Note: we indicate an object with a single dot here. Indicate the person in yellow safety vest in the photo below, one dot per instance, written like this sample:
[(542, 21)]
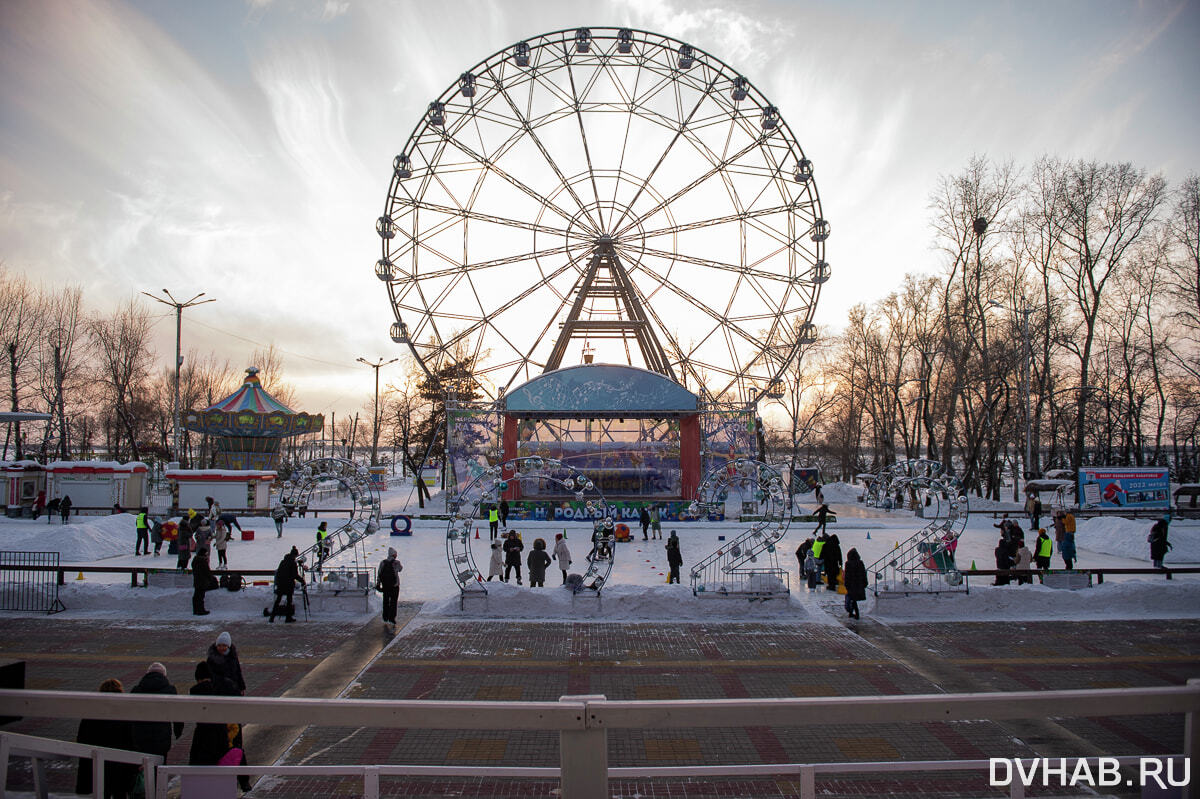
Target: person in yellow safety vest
[(1043, 549), (493, 521), (322, 547), (142, 523), (817, 546)]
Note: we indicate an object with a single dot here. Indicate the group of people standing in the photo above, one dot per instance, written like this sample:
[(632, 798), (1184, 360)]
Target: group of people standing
[(213, 743), (506, 557)]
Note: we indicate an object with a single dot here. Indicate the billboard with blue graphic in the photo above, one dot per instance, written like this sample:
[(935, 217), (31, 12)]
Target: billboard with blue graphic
[(1115, 487)]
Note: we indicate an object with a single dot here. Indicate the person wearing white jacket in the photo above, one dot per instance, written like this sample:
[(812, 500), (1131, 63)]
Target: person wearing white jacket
[(562, 554), (496, 566)]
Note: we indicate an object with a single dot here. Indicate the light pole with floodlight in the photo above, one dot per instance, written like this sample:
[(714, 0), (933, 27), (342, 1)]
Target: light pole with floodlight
[(375, 433), (178, 306)]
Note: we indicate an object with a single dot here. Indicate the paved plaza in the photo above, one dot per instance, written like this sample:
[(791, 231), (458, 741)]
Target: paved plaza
[(527, 661)]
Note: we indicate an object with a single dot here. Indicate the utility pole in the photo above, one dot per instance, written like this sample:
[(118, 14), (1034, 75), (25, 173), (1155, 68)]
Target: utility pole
[(176, 443), (375, 429)]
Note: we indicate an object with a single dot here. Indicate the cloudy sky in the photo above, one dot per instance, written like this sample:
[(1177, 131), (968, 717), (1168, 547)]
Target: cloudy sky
[(244, 149)]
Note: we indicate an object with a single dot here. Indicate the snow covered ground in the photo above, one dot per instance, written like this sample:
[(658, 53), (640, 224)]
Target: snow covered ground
[(637, 588)]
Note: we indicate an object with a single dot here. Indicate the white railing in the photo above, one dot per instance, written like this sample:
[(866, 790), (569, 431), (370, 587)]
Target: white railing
[(583, 723), (41, 749)]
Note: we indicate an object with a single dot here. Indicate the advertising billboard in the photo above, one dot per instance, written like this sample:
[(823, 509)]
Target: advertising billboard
[(1118, 487)]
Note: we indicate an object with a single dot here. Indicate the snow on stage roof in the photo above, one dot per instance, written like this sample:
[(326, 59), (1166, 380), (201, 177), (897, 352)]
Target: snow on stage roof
[(600, 390)]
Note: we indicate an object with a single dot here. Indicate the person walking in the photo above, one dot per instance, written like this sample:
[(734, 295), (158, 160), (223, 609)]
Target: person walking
[(287, 574), (119, 778), (538, 561), (154, 737), (496, 564), (644, 520), (278, 514), (322, 547), (39, 505), (64, 509), (512, 555), (504, 513), (1044, 548), (220, 541), (562, 554), (210, 740), (831, 554), (387, 582), (674, 558), (1004, 560), (224, 663), (1158, 541), (822, 515), (141, 526), (655, 522), (202, 581), (493, 520), (856, 582)]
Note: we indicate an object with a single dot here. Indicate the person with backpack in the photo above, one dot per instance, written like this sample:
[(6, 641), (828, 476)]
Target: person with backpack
[(387, 582), (287, 574)]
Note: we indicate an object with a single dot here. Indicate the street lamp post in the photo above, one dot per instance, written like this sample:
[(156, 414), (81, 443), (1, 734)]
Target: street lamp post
[(375, 431), (178, 306)]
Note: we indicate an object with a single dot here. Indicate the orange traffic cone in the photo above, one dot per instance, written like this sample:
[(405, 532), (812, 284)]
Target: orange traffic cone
[(80, 577), (476, 533)]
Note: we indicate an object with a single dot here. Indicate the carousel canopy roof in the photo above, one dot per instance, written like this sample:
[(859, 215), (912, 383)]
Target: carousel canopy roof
[(601, 390), (251, 413), (250, 397)]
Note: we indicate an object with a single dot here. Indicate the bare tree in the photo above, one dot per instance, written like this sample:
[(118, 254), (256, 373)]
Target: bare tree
[(122, 346), (22, 324)]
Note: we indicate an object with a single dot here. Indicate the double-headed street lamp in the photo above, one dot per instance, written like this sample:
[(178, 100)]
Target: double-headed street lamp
[(375, 432), (178, 306)]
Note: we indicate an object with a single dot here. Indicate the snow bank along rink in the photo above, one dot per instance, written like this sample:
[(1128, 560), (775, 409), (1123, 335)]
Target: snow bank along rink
[(637, 588)]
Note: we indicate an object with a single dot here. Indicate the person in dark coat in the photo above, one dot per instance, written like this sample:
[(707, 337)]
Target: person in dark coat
[(512, 555), (287, 574), (1003, 561), (114, 734), (64, 508), (1158, 541), (230, 521), (538, 562), (210, 741), (154, 737), (39, 505), (202, 581), (831, 555), (224, 664), (674, 557), (387, 582), (802, 555), (504, 513), (822, 515), (856, 582), (644, 521)]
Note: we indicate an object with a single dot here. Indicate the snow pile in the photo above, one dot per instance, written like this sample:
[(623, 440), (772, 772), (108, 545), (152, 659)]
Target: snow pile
[(86, 538), (841, 492), (1135, 599), (1113, 535), (656, 603)]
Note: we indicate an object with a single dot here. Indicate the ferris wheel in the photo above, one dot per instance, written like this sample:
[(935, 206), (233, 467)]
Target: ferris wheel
[(604, 195)]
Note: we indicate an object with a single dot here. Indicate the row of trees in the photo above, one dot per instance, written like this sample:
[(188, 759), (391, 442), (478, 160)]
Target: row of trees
[(99, 377), (1069, 292)]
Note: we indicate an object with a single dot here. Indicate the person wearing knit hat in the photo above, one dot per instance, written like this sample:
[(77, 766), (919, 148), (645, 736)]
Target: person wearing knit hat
[(154, 737), (223, 662), (387, 582)]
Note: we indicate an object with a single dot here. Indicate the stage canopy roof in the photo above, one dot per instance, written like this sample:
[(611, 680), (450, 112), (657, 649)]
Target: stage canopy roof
[(601, 390)]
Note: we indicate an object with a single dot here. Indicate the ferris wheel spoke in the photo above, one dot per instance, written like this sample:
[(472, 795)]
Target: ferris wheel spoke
[(537, 142), (715, 170), (477, 266), (654, 170), (501, 173), (716, 220), (737, 269), (587, 153), (424, 205)]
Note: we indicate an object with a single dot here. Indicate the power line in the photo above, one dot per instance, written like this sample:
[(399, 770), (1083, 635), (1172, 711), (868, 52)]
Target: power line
[(281, 349)]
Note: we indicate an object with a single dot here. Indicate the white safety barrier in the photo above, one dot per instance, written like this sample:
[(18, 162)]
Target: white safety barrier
[(583, 723)]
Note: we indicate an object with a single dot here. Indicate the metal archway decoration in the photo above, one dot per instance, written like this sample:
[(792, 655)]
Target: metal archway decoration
[(490, 485), (725, 571), (310, 476), (613, 193), (925, 561)]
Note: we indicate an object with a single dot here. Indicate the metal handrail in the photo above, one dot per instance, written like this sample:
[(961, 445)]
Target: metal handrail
[(583, 721)]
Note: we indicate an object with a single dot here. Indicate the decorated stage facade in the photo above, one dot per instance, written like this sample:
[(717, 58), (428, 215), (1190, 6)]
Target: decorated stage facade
[(640, 437)]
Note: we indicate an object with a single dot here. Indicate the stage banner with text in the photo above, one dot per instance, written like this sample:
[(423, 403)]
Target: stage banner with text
[(624, 511), (1117, 487)]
